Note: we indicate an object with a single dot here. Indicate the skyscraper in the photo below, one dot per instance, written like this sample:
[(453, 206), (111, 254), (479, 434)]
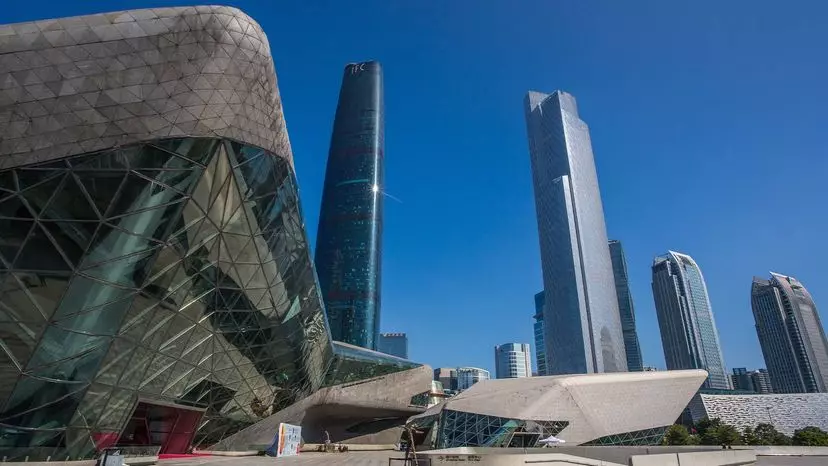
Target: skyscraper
[(395, 344), (513, 360), (540, 345), (625, 307), (581, 322), (349, 239), (685, 318), (790, 334)]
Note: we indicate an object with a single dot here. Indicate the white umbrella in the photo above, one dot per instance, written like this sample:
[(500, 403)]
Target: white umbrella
[(551, 440)]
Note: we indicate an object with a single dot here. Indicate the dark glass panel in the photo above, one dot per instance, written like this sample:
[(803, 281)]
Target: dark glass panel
[(38, 403), (102, 187), (38, 195), (40, 253), (109, 160), (14, 234), (69, 202), (101, 320), (139, 193), (179, 180), (73, 238), (198, 150), (32, 297), (153, 224), (128, 271), (14, 207), (86, 293)]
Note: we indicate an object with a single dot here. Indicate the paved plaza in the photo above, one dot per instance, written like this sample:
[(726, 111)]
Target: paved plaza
[(380, 458)]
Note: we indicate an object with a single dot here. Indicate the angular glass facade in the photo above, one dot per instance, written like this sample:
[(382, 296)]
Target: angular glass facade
[(688, 331), (395, 344), (791, 335), (636, 438), (450, 429), (540, 346), (164, 284), (625, 306), (349, 239), (582, 325)]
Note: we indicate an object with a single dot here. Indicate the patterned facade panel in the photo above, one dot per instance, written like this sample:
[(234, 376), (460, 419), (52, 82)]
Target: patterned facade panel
[(786, 412), (81, 84), (176, 271)]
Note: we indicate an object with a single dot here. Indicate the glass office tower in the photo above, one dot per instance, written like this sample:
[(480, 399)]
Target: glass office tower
[(513, 360), (685, 318), (395, 344), (581, 320), (625, 306), (349, 239), (540, 345), (791, 335)]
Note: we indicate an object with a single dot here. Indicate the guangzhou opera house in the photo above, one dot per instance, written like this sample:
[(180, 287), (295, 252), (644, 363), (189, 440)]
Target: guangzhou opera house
[(156, 285)]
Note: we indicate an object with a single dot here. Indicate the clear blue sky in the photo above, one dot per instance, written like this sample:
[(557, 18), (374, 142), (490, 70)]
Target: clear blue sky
[(708, 121)]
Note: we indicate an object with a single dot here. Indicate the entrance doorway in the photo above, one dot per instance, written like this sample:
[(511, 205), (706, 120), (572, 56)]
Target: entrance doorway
[(170, 427)]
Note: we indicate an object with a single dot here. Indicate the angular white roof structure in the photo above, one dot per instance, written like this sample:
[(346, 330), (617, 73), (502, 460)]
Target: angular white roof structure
[(590, 407)]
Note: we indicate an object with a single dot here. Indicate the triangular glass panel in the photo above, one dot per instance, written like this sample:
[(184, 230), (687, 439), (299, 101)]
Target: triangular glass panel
[(127, 271), (14, 207), (38, 195), (182, 181), (7, 182), (15, 233), (69, 203), (111, 243), (101, 320), (73, 238), (139, 193), (198, 150), (103, 160), (29, 298), (153, 223), (40, 253), (102, 187)]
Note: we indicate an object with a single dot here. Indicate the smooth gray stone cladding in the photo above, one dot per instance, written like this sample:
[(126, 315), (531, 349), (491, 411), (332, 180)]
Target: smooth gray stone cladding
[(76, 85)]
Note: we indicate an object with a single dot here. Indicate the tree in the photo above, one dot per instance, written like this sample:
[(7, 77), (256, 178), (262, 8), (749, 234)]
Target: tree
[(810, 436), (749, 437), (766, 434), (714, 432), (677, 434)]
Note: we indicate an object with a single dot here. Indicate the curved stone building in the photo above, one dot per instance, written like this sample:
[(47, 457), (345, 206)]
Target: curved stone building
[(156, 286)]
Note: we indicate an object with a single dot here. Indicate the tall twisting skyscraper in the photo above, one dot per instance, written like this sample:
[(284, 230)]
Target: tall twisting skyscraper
[(349, 239), (688, 331), (791, 335), (581, 321), (625, 307)]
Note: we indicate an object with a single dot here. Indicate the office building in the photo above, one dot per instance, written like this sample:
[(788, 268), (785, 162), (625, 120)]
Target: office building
[(581, 321), (540, 346), (625, 307), (157, 289), (688, 332), (447, 376), (790, 334), (513, 360), (349, 239), (395, 344), (468, 376), (624, 409), (756, 381), (786, 412)]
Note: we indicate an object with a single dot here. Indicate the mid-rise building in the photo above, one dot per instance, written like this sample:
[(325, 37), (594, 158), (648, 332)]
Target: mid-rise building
[(790, 334), (446, 376), (395, 344), (688, 331), (756, 381), (625, 307), (581, 321), (540, 346), (468, 376), (513, 360), (349, 239)]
